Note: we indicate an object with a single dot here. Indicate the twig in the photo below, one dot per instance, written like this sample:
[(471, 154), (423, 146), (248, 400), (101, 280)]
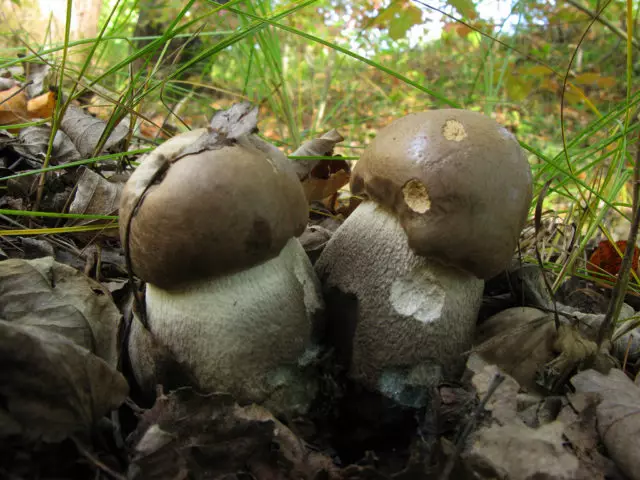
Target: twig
[(604, 22), (620, 288), (93, 459), (538, 226), (495, 383)]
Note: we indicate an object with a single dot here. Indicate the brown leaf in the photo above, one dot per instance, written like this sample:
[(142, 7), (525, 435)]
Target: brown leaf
[(85, 131), (520, 341), (37, 74), (50, 387), (503, 404), (579, 416), (42, 106), (13, 106), (314, 239), (517, 452), (318, 147), (319, 188), (35, 141), (60, 300), (186, 432), (97, 196), (618, 415)]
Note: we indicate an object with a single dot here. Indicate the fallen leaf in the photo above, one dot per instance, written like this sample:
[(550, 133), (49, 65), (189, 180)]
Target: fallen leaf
[(35, 141), (503, 403), (42, 106), (520, 341), (185, 433), (318, 187), (13, 106), (618, 415), (318, 147), (50, 387), (313, 240), (85, 131), (157, 128), (606, 258), (36, 75), (517, 452), (59, 299), (579, 416), (95, 195)]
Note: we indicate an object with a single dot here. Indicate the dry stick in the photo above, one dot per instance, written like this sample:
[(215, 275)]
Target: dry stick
[(620, 33), (620, 289), (538, 226), (626, 354), (495, 383), (96, 462)]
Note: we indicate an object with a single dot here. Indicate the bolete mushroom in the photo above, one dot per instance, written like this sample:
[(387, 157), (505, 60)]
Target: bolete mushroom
[(449, 191), (210, 220)]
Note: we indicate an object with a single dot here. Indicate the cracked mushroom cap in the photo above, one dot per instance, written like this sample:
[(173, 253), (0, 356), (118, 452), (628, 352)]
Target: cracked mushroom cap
[(459, 183), (210, 211)]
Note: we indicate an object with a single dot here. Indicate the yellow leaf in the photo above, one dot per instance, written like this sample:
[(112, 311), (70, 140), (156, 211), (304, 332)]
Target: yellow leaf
[(588, 78), (537, 71), (606, 82), (518, 88), (42, 106)]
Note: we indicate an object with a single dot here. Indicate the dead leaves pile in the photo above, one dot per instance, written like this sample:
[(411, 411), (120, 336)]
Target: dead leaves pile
[(186, 432), (79, 135)]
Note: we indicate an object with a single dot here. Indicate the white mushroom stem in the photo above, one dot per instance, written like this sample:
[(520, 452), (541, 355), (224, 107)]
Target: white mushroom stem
[(390, 307), (244, 333)]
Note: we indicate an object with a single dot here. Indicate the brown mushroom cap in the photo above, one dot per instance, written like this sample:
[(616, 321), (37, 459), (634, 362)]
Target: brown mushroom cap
[(213, 212), (459, 183)]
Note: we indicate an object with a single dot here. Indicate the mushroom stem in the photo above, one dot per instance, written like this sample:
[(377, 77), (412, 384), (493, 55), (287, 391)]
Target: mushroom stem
[(391, 311), (246, 333)]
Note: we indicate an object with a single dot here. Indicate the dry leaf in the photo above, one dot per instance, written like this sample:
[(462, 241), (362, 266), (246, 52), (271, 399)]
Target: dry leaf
[(579, 416), (185, 433), (50, 387), (42, 106), (314, 239), (13, 106), (503, 404), (520, 341), (97, 196), (606, 259), (618, 415), (318, 147), (322, 184), (60, 300), (7, 83), (157, 128), (517, 452), (36, 75), (85, 131), (35, 141)]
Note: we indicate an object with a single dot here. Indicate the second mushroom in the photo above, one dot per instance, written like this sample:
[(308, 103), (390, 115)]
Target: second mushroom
[(448, 194)]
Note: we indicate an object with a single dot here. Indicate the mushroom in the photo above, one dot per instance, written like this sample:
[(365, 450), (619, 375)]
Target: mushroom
[(448, 193), (210, 220)]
